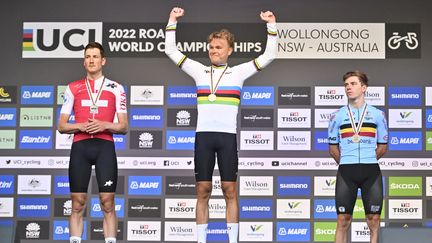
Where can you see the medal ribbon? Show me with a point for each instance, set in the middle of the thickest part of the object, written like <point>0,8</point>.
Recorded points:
<point>211,79</point>
<point>356,129</point>
<point>90,93</point>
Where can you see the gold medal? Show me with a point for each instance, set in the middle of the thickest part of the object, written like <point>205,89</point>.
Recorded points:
<point>212,97</point>
<point>356,138</point>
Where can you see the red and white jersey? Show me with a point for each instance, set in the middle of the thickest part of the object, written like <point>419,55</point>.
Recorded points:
<point>112,99</point>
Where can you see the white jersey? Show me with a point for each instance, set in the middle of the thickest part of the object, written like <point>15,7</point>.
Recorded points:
<point>219,115</point>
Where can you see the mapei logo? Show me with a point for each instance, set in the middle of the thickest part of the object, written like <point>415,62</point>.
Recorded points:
<point>61,230</point>
<point>405,141</point>
<point>405,96</point>
<point>8,117</point>
<point>145,185</point>
<point>43,95</point>
<point>290,231</point>
<point>429,118</point>
<point>180,140</point>
<point>257,95</point>
<point>59,39</point>
<point>324,209</point>
<point>96,210</point>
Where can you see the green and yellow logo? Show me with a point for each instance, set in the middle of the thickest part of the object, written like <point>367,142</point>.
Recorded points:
<point>7,139</point>
<point>359,210</point>
<point>405,186</point>
<point>36,117</point>
<point>60,94</point>
<point>429,140</point>
<point>324,231</point>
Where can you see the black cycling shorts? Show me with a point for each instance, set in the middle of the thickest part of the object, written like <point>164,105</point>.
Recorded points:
<point>208,145</point>
<point>368,178</point>
<point>98,152</point>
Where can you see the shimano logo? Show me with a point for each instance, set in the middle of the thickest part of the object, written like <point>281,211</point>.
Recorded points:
<point>183,95</point>
<point>63,184</point>
<point>39,139</point>
<point>293,186</point>
<point>256,208</point>
<point>33,207</point>
<point>405,96</point>
<point>146,117</point>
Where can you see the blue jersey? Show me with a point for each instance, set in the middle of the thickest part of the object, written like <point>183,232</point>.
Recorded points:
<point>372,132</point>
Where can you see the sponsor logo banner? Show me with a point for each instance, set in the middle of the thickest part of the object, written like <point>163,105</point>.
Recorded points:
<point>61,230</point>
<point>182,117</point>
<point>360,231</point>
<point>35,139</point>
<point>8,94</point>
<point>293,231</point>
<point>322,117</point>
<point>36,117</point>
<point>147,95</point>
<point>180,231</point>
<point>180,140</point>
<point>428,96</point>
<point>144,208</point>
<point>58,39</point>
<point>63,207</point>
<point>8,117</point>
<point>331,40</point>
<point>253,208</point>
<point>182,95</point>
<point>7,184</point>
<point>405,118</point>
<point>405,96</point>
<point>119,187</point>
<point>7,139</point>
<point>217,231</point>
<point>324,209</point>
<point>405,209</point>
<point>71,117</point>
<point>96,230</point>
<point>145,185</point>
<point>321,140</point>
<point>96,209</point>
<point>257,96</point>
<point>330,96</point>
<point>6,207</point>
<point>256,231</point>
<point>34,184</point>
<point>146,139</point>
<point>217,186</point>
<point>375,96</point>
<point>64,141</point>
<point>428,140</point>
<point>217,208</point>
<point>428,186</point>
<point>60,94</point>
<point>403,40</point>
<point>256,185</point>
<point>180,208</point>
<point>294,140</point>
<point>144,231</point>
<point>428,117</point>
<point>294,96</point>
<point>324,185</point>
<point>256,117</point>
<point>294,118</point>
<point>180,185</point>
<point>293,185</point>
<point>359,210</point>
<point>408,141</point>
<point>32,230</point>
<point>324,231</point>
<point>293,208</point>
<point>43,95</point>
<point>146,117</point>
<point>256,140</point>
<point>405,186</point>
<point>33,207</point>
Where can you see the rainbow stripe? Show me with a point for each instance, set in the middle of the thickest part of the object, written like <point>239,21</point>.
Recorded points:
<point>171,27</point>
<point>225,95</point>
<point>272,33</point>
<point>28,40</point>
<point>257,66</point>
<point>182,60</point>
<point>367,130</point>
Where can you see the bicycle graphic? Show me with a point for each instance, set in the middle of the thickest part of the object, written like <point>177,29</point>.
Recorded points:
<point>410,39</point>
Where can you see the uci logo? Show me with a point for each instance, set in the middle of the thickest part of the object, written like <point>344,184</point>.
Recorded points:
<point>59,40</point>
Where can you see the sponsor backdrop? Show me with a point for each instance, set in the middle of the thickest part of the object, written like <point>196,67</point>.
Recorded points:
<point>286,178</point>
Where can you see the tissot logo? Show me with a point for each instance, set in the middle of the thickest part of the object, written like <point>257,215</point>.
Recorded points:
<point>405,140</point>
<point>180,208</point>
<point>403,40</point>
<point>144,208</point>
<point>256,140</point>
<point>331,96</point>
<point>146,117</point>
<point>59,39</point>
<point>294,118</point>
<point>146,140</point>
<point>182,117</point>
<point>257,95</point>
<point>8,94</point>
<point>8,117</point>
<point>256,117</point>
<point>405,209</point>
<point>182,95</point>
<point>139,230</point>
<point>289,231</point>
<point>294,95</point>
<point>405,96</point>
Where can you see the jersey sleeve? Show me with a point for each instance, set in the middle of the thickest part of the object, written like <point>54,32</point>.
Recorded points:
<point>253,66</point>
<point>189,66</point>
<point>382,131</point>
<point>68,101</point>
<point>121,99</point>
<point>333,129</point>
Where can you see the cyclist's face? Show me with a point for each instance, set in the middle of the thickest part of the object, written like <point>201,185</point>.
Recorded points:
<point>219,51</point>
<point>93,61</point>
<point>354,89</point>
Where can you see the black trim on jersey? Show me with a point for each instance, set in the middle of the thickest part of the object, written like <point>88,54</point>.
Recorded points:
<point>367,124</point>
<point>219,95</point>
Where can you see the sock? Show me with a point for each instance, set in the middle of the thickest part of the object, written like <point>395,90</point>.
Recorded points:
<point>110,240</point>
<point>75,239</point>
<point>233,230</point>
<point>202,233</point>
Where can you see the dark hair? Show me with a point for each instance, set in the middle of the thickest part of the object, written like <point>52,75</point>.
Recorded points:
<point>95,45</point>
<point>222,34</point>
<point>361,76</point>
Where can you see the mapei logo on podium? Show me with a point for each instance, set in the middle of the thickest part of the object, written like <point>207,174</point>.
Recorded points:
<point>58,39</point>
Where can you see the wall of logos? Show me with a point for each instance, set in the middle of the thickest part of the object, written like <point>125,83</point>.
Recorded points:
<point>286,178</point>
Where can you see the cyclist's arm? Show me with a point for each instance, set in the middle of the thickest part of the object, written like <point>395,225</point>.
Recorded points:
<point>333,137</point>
<point>382,135</point>
<point>334,152</point>
<point>381,150</point>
